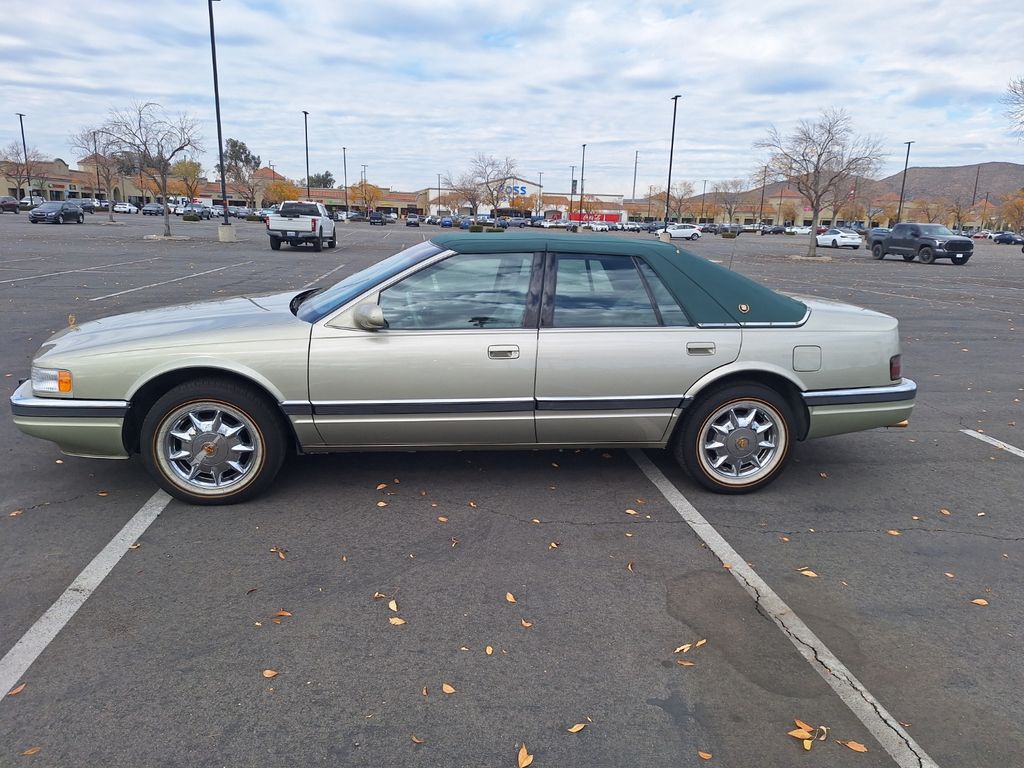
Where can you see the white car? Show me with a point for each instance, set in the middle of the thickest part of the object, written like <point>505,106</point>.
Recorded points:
<point>598,226</point>
<point>125,208</point>
<point>550,223</point>
<point>839,238</point>
<point>684,231</point>
<point>800,230</point>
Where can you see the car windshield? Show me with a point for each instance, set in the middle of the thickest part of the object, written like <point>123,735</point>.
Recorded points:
<point>935,229</point>
<point>300,209</point>
<point>321,304</point>
<point>49,207</point>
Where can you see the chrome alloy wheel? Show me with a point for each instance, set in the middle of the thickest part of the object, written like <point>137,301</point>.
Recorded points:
<point>742,441</point>
<point>209,447</point>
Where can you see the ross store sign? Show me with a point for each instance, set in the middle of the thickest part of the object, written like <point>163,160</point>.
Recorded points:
<point>515,189</point>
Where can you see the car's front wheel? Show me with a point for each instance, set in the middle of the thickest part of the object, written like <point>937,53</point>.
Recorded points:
<point>835,244</point>
<point>60,218</point>
<point>213,441</point>
<point>877,251</point>
<point>694,236</point>
<point>736,439</point>
<point>926,255</point>
<point>81,218</point>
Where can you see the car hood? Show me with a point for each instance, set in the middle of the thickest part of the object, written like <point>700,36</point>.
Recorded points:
<point>226,321</point>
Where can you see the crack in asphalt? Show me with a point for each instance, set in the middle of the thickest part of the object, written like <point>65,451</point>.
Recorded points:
<point>52,503</point>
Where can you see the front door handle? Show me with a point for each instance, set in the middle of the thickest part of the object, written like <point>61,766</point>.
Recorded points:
<point>700,347</point>
<point>503,352</point>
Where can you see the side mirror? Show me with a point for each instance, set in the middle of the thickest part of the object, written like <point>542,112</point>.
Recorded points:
<point>369,317</point>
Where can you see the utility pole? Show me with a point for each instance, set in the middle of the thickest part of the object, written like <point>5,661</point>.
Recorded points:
<point>305,125</point>
<point>636,159</point>
<point>903,184</point>
<point>703,192</point>
<point>24,148</point>
<point>583,167</point>
<point>344,170</point>
<point>540,183</point>
<point>572,187</point>
<point>671,150</point>
<point>95,164</point>
<point>764,183</point>
<point>974,194</point>
<point>439,194</point>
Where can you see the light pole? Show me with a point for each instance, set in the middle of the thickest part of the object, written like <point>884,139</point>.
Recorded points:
<point>572,187</point>
<point>903,184</point>
<point>24,148</point>
<point>671,150</point>
<point>703,192</point>
<point>439,194</point>
<point>540,183</point>
<point>636,159</point>
<point>344,170</point>
<point>366,206</point>
<point>305,125</point>
<point>583,167</point>
<point>764,183</point>
<point>223,235</point>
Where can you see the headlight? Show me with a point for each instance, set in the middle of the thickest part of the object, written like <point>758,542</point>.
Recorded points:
<point>51,380</point>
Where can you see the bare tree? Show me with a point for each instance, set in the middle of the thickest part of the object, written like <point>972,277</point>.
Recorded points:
<point>820,158</point>
<point>729,194</point>
<point>958,208</point>
<point>100,152</point>
<point>152,140</point>
<point>466,189</point>
<point>492,176</point>
<point>928,208</point>
<point>24,170</point>
<point>1014,101</point>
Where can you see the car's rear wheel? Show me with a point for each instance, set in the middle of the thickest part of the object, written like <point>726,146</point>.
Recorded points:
<point>960,260</point>
<point>213,441</point>
<point>275,244</point>
<point>736,439</point>
<point>926,255</point>
<point>877,251</point>
<point>908,256</point>
<point>318,242</point>
<point>333,242</point>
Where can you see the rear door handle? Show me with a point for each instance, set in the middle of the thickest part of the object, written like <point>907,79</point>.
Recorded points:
<point>700,347</point>
<point>503,352</point>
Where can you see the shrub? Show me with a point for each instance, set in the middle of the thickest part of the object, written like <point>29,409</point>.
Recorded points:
<point>789,233</point>
<point>476,228</point>
<point>253,217</point>
<point>494,229</point>
<point>729,235</point>
<point>190,217</point>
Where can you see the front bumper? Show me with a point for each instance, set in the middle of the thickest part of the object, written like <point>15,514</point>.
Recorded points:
<point>837,411</point>
<point>89,428</point>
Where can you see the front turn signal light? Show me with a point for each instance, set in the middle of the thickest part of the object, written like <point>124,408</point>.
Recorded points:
<point>52,381</point>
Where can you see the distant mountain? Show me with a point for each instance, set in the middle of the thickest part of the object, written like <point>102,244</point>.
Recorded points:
<point>996,179</point>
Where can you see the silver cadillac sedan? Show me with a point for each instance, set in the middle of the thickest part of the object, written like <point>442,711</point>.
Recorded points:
<point>510,340</point>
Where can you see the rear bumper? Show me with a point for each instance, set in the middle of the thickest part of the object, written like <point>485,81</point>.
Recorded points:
<point>837,411</point>
<point>90,428</point>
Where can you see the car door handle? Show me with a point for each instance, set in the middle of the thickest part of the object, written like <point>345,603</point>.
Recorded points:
<point>700,347</point>
<point>503,352</point>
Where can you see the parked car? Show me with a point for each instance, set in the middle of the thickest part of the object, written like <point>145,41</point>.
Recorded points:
<point>981,234</point>
<point>216,210</point>
<point>800,230</point>
<point>1008,238</point>
<point>773,229</point>
<point>125,208</point>
<point>710,229</point>
<point>446,221</point>
<point>243,211</point>
<point>839,238</point>
<point>631,226</point>
<point>56,212</point>
<point>597,226</point>
<point>200,210</point>
<point>153,209</point>
<point>9,204</point>
<point>103,205</point>
<point>87,204</point>
<point>34,200</point>
<point>680,231</point>
<point>412,220</point>
<point>465,222</point>
<point>926,242</point>
<point>376,217</point>
<point>303,369</point>
<point>518,221</point>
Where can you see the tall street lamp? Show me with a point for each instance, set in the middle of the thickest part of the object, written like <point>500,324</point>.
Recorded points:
<point>583,167</point>
<point>439,194</point>
<point>344,170</point>
<point>703,192</point>
<point>636,159</point>
<point>903,184</point>
<point>671,150</point>
<point>540,183</point>
<point>224,235</point>
<point>305,125</point>
<point>24,148</point>
<point>572,187</point>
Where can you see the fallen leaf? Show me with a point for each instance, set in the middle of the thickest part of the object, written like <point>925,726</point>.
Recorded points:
<point>685,663</point>
<point>808,573</point>
<point>416,739</point>
<point>489,650</point>
<point>454,541</point>
<point>31,751</point>
<point>946,512</point>
<point>472,504</point>
<point>526,624</point>
<point>629,566</point>
<point>699,643</point>
<point>950,575</point>
<point>393,604</point>
<point>424,691</point>
<point>442,518</point>
<point>525,758</point>
<point>396,621</point>
<point>17,690</point>
<point>344,558</point>
<point>280,552</point>
<point>800,733</point>
<point>856,746</point>
<point>823,475</point>
<point>802,725</point>
<point>276,621</point>
<point>980,601</point>
<point>382,503</point>
<point>629,535</point>
<point>553,545</point>
<point>103,493</point>
<point>783,538</point>
<point>631,512</point>
<point>283,613</point>
<point>136,545</point>
<point>15,513</point>
<point>554,465</point>
<point>808,743</point>
<point>894,532</point>
<point>704,755</point>
<point>463,647</point>
<point>915,517</point>
<point>269,673</point>
<point>509,597</point>
<point>576,728</point>
<point>447,688</point>
<point>683,648</point>
<point>378,595</point>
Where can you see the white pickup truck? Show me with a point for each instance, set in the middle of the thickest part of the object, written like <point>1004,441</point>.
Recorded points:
<point>301,221</point>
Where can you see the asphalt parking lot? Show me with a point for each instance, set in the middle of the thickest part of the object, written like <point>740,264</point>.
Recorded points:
<point>164,664</point>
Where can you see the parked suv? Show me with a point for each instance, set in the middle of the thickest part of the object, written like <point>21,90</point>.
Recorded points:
<point>376,217</point>
<point>198,209</point>
<point>9,204</point>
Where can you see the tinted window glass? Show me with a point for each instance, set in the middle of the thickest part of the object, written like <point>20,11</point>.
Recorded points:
<point>671,312</point>
<point>600,291</point>
<point>464,291</point>
<point>298,209</point>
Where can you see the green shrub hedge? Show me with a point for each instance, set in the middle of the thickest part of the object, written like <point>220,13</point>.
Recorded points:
<point>190,217</point>
<point>476,228</point>
<point>254,217</point>
<point>729,235</point>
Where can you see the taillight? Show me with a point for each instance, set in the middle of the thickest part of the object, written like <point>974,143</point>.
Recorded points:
<point>312,225</point>
<point>896,367</point>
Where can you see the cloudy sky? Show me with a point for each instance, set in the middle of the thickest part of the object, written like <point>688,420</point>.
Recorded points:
<point>414,88</point>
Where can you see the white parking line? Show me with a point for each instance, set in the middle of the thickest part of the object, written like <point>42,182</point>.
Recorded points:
<point>168,282</point>
<point>15,664</point>
<point>80,269</point>
<point>992,441</point>
<point>317,280</point>
<point>386,236</point>
<point>883,726</point>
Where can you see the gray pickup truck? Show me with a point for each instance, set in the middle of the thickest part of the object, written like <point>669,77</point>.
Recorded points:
<point>925,242</point>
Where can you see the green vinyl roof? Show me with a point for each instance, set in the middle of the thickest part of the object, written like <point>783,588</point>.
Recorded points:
<point>709,292</point>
